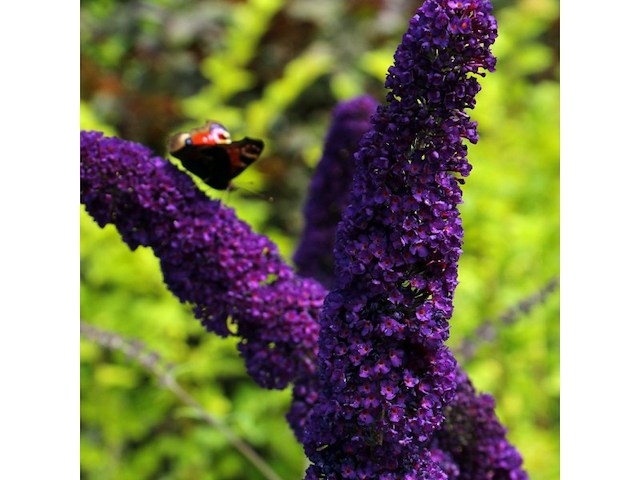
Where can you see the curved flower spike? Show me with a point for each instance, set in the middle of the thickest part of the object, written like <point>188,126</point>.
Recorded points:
<point>209,257</point>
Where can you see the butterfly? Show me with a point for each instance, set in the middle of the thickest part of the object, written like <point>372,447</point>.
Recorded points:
<point>209,153</point>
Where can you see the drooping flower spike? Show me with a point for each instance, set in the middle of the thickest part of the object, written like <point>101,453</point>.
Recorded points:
<point>209,257</point>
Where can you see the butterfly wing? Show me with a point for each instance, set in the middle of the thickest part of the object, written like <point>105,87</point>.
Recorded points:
<point>211,163</point>
<point>243,153</point>
<point>215,163</point>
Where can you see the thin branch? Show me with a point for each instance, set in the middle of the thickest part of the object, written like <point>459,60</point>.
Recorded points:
<point>486,331</point>
<point>152,362</point>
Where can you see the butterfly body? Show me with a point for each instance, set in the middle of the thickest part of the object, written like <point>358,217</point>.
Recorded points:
<point>209,153</point>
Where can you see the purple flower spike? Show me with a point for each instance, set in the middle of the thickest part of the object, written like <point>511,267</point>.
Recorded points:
<point>329,188</point>
<point>397,249</point>
<point>209,258</point>
<point>475,440</point>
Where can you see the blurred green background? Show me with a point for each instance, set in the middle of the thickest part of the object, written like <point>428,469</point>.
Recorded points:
<point>274,69</point>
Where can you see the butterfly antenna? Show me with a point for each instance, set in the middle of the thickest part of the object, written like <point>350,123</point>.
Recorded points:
<point>227,193</point>
<point>267,198</point>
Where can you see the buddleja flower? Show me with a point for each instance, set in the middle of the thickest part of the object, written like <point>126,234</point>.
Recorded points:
<point>327,198</point>
<point>385,374</point>
<point>329,188</point>
<point>208,257</point>
<point>473,441</point>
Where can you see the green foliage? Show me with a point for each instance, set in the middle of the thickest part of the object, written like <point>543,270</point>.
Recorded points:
<point>131,427</point>
<point>274,69</point>
<point>511,219</point>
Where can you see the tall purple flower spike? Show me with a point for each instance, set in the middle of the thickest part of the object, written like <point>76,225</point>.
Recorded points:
<point>209,258</point>
<point>329,189</point>
<point>471,443</point>
<point>385,375</point>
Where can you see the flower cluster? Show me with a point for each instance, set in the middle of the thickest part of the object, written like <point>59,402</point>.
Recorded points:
<point>329,189</point>
<point>385,375</point>
<point>209,258</point>
<point>471,443</point>
<point>474,440</point>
